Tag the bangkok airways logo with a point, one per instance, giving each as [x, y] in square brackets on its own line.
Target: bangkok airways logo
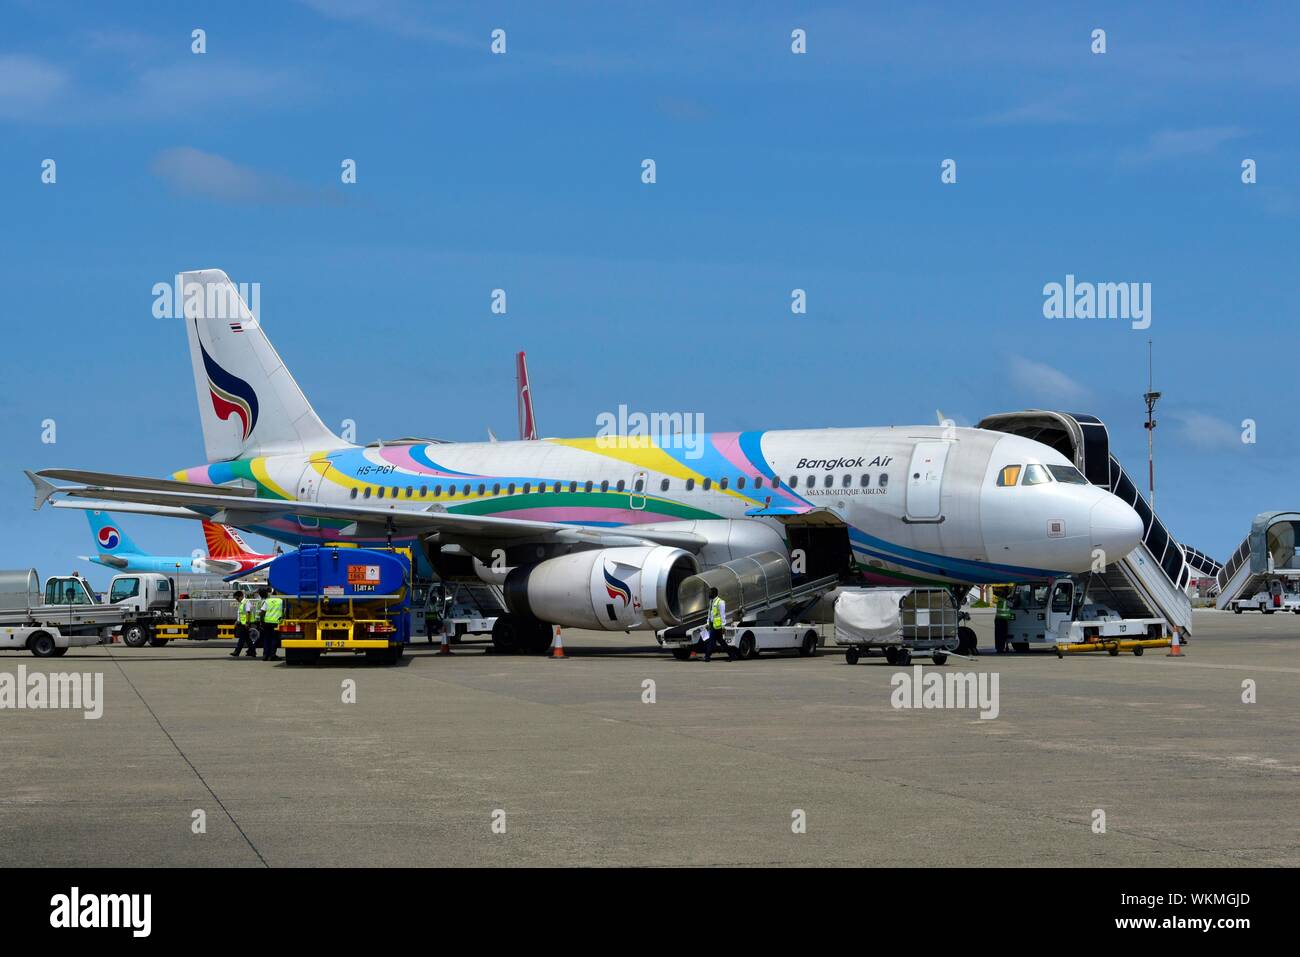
[617, 589]
[108, 538]
[230, 394]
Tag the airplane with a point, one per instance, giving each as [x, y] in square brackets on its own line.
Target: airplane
[599, 532]
[115, 549]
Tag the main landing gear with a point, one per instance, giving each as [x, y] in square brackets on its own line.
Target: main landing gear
[516, 635]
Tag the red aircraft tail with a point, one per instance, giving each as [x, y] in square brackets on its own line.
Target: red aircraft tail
[527, 423]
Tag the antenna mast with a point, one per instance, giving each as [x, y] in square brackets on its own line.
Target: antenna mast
[1150, 397]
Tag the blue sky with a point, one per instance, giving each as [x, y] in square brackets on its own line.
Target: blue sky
[775, 171]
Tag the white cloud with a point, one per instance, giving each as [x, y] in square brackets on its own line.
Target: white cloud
[1044, 382]
[37, 90]
[393, 16]
[29, 84]
[1175, 144]
[1207, 431]
[192, 172]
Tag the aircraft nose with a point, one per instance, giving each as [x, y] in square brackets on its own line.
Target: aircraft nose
[1116, 528]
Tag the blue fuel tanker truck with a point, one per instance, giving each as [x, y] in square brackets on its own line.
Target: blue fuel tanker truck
[343, 599]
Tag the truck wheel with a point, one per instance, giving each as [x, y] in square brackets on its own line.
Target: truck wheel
[1113, 651]
[157, 642]
[1236, 609]
[1137, 652]
[967, 643]
[682, 653]
[809, 646]
[41, 645]
[748, 648]
[851, 655]
[60, 652]
[904, 657]
[939, 659]
[891, 655]
[135, 636]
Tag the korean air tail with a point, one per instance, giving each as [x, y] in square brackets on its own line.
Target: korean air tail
[248, 402]
[109, 537]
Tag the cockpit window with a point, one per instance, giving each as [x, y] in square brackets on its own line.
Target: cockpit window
[1036, 475]
[1067, 474]
[1009, 476]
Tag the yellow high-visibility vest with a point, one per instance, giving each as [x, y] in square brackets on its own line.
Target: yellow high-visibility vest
[715, 613]
[273, 610]
[245, 611]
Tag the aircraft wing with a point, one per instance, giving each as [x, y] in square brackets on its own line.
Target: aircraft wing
[167, 511]
[365, 521]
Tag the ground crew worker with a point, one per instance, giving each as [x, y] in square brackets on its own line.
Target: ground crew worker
[271, 612]
[244, 616]
[716, 623]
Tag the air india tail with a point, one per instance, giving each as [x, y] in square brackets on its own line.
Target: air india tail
[224, 542]
[249, 403]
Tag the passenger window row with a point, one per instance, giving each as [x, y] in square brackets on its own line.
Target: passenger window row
[638, 486]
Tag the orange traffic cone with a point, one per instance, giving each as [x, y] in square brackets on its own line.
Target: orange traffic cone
[1176, 648]
[446, 644]
[557, 643]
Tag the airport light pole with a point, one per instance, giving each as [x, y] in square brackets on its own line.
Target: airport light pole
[1151, 396]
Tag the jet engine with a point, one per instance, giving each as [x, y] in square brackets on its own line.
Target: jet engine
[609, 589]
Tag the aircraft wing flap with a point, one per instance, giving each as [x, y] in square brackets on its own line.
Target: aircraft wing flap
[134, 508]
[111, 480]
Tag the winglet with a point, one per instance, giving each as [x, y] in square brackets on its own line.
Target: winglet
[44, 489]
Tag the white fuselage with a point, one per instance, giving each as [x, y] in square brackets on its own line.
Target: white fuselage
[920, 504]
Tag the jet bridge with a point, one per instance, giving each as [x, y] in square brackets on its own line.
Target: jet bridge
[1149, 582]
[1268, 554]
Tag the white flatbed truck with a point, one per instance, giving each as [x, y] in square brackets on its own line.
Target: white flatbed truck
[43, 641]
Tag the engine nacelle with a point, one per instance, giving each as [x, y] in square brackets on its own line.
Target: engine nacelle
[608, 589]
[727, 538]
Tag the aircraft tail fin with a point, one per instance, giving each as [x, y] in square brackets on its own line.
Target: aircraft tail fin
[109, 536]
[223, 541]
[527, 421]
[249, 403]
